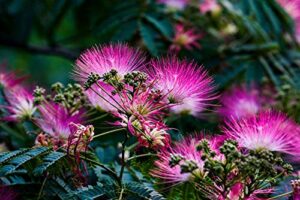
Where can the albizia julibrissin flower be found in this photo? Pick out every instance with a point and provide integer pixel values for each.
(185, 38)
(292, 7)
(174, 4)
(184, 83)
(9, 79)
(20, 104)
(237, 192)
(268, 130)
(103, 59)
(187, 151)
(55, 120)
(209, 6)
(240, 102)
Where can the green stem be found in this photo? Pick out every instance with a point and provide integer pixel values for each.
(104, 167)
(108, 132)
(140, 156)
(282, 195)
(123, 157)
(97, 118)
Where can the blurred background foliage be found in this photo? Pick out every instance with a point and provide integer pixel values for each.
(246, 40)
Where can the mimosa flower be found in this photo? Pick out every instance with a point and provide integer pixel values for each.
(55, 120)
(185, 38)
(174, 4)
(187, 151)
(209, 6)
(102, 59)
(267, 130)
(184, 83)
(240, 102)
(20, 104)
(9, 79)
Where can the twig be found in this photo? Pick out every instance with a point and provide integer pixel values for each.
(46, 50)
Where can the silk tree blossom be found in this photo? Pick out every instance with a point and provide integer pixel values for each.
(55, 120)
(268, 130)
(240, 102)
(184, 83)
(9, 79)
(185, 150)
(296, 189)
(209, 6)
(185, 38)
(20, 104)
(103, 59)
(174, 4)
(237, 192)
(292, 7)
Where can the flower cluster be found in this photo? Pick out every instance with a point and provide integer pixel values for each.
(119, 82)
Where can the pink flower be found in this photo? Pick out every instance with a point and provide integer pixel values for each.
(184, 83)
(240, 102)
(174, 4)
(185, 38)
(55, 120)
(20, 104)
(236, 192)
(186, 149)
(102, 59)
(267, 130)
(209, 6)
(8, 79)
(292, 7)
(172, 174)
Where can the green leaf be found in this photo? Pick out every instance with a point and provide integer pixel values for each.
(148, 36)
(162, 25)
(22, 159)
(143, 192)
(48, 161)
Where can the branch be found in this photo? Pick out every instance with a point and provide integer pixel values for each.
(47, 50)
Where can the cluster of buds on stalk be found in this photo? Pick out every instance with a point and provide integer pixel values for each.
(221, 170)
(70, 96)
(138, 105)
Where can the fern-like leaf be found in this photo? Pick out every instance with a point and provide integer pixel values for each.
(48, 161)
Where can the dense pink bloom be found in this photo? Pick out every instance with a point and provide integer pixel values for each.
(185, 38)
(20, 104)
(9, 79)
(267, 130)
(240, 102)
(236, 192)
(209, 6)
(102, 59)
(187, 150)
(292, 7)
(184, 83)
(55, 120)
(175, 4)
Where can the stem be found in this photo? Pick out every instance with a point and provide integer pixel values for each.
(123, 157)
(140, 156)
(282, 195)
(108, 132)
(42, 187)
(97, 118)
(121, 194)
(104, 167)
